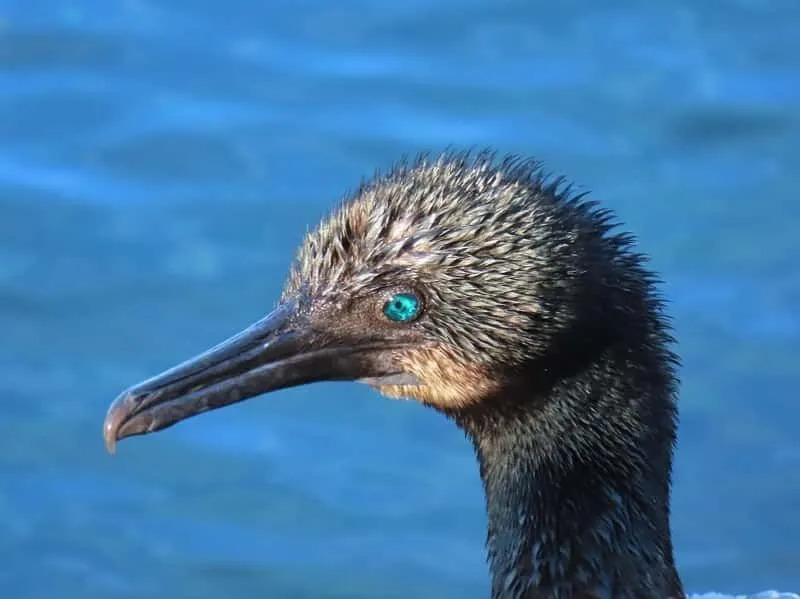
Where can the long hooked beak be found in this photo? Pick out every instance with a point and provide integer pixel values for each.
(282, 350)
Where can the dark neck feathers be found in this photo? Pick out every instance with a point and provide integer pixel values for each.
(575, 460)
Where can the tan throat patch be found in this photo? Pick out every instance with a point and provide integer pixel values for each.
(446, 381)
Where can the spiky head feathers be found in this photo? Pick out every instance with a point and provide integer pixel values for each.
(501, 256)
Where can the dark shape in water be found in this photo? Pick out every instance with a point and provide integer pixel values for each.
(509, 304)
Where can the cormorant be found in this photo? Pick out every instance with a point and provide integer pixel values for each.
(498, 296)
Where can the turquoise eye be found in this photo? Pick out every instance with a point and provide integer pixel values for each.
(403, 307)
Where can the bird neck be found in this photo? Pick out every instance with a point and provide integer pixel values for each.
(576, 474)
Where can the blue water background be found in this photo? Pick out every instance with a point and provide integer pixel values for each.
(159, 161)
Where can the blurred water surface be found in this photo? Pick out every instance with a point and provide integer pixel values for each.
(160, 160)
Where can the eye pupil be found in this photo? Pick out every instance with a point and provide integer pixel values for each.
(403, 307)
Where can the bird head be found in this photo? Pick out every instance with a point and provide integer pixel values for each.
(438, 281)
